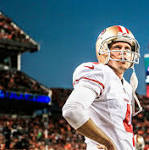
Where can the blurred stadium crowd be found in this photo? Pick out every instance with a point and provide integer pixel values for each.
(40, 132)
(8, 30)
(13, 80)
(52, 132)
(30, 133)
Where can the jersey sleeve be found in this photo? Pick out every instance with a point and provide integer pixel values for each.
(89, 75)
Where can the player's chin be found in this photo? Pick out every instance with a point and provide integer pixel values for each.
(125, 65)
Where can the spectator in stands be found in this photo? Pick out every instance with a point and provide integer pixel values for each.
(2, 141)
(7, 133)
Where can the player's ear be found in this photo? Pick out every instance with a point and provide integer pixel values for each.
(102, 58)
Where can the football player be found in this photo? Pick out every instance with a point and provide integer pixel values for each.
(102, 103)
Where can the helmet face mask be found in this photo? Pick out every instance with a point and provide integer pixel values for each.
(116, 34)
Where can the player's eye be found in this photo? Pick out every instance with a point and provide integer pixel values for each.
(128, 48)
(116, 47)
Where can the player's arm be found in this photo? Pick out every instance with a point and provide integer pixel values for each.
(75, 112)
(90, 130)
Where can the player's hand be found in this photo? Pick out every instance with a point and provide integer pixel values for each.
(102, 147)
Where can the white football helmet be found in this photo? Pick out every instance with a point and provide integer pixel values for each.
(113, 34)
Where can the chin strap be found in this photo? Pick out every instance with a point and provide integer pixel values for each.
(134, 84)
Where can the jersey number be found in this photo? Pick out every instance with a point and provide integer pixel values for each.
(127, 120)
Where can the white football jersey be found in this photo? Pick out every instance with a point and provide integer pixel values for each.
(112, 109)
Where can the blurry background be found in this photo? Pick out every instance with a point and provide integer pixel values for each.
(67, 31)
(41, 43)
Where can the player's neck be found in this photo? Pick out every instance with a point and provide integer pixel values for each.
(118, 72)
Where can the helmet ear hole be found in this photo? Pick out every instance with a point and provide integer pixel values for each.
(109, 45)
(133, 48)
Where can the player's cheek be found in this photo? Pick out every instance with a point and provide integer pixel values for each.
(129, 56)
(115, 54)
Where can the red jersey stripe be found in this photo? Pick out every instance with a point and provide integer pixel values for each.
(133, 140)
(90, 80)
(128, 126)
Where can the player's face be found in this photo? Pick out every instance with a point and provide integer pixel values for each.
(120, 50)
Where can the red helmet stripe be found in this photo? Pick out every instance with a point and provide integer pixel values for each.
(123, 29)
(120, 29)
(127, 30)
